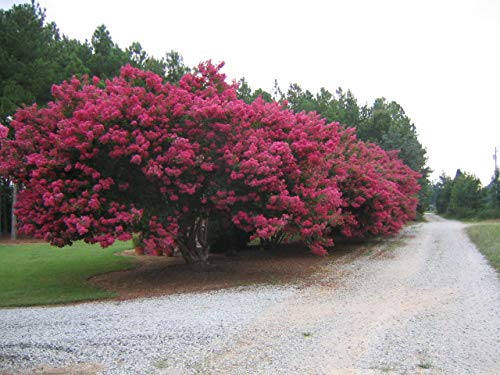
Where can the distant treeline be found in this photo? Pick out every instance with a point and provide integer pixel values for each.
(464, 196)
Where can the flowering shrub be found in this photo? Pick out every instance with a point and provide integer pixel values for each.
(280, 172)
(379, 192)
(136, 154)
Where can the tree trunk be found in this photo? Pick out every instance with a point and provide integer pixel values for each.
(273, 242)
(1, 209)
(194, 243)
(5, 211)
(13, 228)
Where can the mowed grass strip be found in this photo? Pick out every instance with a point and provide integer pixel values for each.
(40, 274)
(487, 239)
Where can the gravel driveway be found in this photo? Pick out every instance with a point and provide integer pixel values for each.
(427, 303)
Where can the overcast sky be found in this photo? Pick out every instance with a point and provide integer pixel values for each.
(439, 59)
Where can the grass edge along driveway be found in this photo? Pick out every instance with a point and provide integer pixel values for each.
(486, 237)
(40, 274)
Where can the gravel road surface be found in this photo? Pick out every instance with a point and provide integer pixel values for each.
(425, 303)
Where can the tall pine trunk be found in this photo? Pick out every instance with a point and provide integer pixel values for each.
(13, 227)
(1, 209)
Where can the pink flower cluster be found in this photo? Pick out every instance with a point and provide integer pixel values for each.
(4, 131)
(135, 154)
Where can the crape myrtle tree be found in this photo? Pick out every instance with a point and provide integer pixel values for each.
(106, 159)
(281, 175)
(380, 193)
(139, 154)
(34, 54)
(383, 123)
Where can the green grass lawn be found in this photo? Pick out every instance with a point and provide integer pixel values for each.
(39, 274)
(486, 236)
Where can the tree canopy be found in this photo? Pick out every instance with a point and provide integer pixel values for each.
(28, 57)
(109, 158)
(34, 56)
(384, 123)
(156, 148)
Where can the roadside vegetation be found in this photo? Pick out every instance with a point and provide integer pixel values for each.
(32, 44)
(486, 236)
(464, 197)
(40, 274)
(295, 164)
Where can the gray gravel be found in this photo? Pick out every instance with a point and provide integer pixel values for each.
(426, 303)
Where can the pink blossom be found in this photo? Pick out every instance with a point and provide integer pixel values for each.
(136, 159)
(4, 131)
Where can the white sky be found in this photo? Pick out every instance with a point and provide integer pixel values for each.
(439, 59)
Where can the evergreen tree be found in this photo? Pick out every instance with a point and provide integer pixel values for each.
(107, 58)
(244, 91)
(466, 197)
(492, 198)
(28, 58)
(494, 191)
(443, 193)
(175, 67)
(139, 58)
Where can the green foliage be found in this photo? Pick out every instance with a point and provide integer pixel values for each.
(299, 100)
(491, 194)
(377, 121)
(244, 92)
(175, 67)
(348, 111)
(493, 191)
(489, 213)
(107, 58)
(28, 57)
(466, 196)
(486, 236)
(39, 274)
(386, 124)
(136, 55)
(442, 193)
(267, 97)
(139, 58)
(276, 93)
(424, 196)
(34, 56)
(341, 107)
(73, 58)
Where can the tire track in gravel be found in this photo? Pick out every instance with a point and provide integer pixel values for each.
(433, 306)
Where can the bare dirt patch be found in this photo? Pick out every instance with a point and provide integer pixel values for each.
(155, 276)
